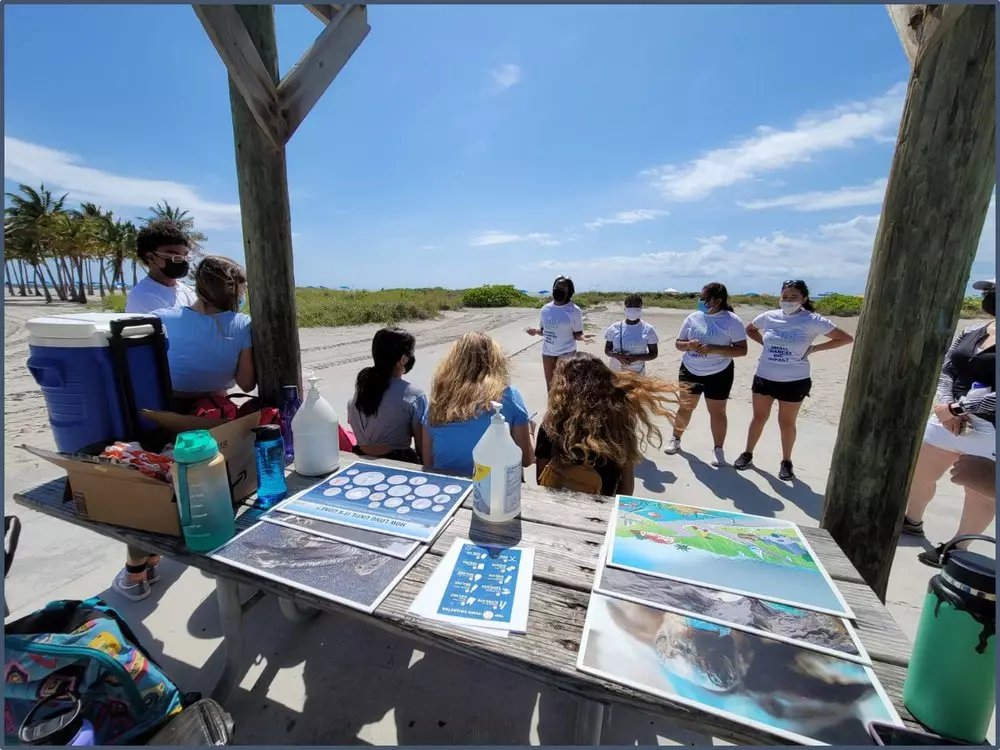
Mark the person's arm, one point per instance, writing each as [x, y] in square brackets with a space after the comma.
[427, 448]
[737, 346]
[419, 407]
[753, 333]
[578, 333]
[980, 406]
[836, 337]
[540, 331]
[543, 454]
[626, 485]
[653, 351]
[977, 473]
[246, 375]
[682, 343]
[522, 436]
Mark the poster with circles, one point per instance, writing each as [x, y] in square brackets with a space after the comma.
[400, 502]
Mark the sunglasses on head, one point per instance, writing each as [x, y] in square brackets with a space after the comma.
[792, 282]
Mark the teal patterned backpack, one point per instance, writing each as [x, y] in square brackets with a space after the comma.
[84, 649]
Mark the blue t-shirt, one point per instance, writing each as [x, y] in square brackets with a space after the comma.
[203, 350]
[453, 443]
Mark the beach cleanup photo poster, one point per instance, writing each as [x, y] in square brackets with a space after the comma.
[400, 502]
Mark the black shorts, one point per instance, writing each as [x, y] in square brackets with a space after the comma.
[792, 392]
[715, 387]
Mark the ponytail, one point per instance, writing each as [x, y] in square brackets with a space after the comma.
[371, 385]
[808, 305]
[389, 346]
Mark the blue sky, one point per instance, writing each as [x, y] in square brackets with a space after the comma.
[631, 147]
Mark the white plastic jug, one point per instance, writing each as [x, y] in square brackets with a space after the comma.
[316, 434]
[497, 482]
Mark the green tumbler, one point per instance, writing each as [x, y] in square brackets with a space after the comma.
[950, 686]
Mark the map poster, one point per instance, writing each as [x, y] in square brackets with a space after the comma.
[401, 502]
[763, 558]
[478, 585]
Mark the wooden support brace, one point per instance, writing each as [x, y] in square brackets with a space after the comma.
[232, 41]
[919, 27]
[305, 83]
[324, 12]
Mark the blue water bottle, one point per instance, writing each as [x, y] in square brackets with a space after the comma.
[269, 448]
[289, 405]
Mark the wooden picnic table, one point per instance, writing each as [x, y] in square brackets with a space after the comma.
[567, 531]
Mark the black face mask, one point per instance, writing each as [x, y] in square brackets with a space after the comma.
[990, 303]
[176, 270]
[410, 361]
[559, 296]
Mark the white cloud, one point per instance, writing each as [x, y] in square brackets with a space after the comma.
[770, 149]
[634, 216]
[506, 76]
[493, 237]
[871, 194]
[32, 164]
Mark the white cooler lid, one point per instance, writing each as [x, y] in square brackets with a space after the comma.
[79, 329]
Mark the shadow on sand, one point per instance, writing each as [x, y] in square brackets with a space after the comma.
[653, 478]
[728, 484]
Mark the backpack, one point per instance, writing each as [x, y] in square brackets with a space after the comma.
[575, 477]
[87, 652]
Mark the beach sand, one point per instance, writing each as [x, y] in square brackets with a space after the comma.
[180, 624]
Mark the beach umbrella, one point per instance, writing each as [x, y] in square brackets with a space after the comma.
[543, 291]
[345, 288]
[524, 291]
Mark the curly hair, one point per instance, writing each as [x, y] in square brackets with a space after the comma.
[595, 413]
[217, 282]
[474, 372]
[156, 234]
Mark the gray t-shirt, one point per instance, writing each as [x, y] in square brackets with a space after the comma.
[397, 420]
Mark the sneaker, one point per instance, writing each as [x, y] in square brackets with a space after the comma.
[913, 528]
[153, 573]
[673, 446]
[744, 462]
[786, 473]
[720, 458]
[134, 591]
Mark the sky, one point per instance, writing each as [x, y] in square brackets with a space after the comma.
[630, 147]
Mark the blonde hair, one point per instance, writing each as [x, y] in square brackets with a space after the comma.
[473, 373]
[595, 413]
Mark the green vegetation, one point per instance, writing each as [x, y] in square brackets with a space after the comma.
[498, 295]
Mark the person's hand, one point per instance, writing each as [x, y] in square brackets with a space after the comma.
[808, 352]
[976, 473]
[951, 422]
[533, 426]
[534, 332]
[696, 346]
[588, 338]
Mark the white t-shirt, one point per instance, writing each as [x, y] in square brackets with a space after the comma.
[633, 338]
[786, 339]
[724, 328]
[559, 323]
[149, 295]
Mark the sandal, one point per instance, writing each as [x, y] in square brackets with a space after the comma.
[932, 558]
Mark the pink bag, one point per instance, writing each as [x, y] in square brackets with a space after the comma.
[347, 439]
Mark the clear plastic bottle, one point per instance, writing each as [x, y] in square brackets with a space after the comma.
[316, 430]
[201, 484]
[269, 449]
[497, 482]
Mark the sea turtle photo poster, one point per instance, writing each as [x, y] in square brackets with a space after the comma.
[387, 544]
[355, 577]
[793, 693]
[401, 502]
[764, 558]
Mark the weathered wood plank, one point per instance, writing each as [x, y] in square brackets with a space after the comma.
[323, 12]
[940, 183]
[305, 83]
[920, 26]
[246, 69]
[267, 226]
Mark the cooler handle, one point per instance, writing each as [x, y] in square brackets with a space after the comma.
[948, 547]
[48, 373]
[123, 374]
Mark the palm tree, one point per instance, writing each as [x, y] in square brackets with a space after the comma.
[29, 223]
[180, 217]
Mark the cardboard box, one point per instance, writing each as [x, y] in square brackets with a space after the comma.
[124, 496]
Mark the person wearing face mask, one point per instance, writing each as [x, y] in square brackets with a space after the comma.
[163, 248]
[783, 372]
[631, 343]
[387, 412]
[561, 326]
[963, 424]
[710, 339]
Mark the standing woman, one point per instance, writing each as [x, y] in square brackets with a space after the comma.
[560, 326]
[632, 342]
[783, 372]
[387, 411]
[963, 424]
[710, 339]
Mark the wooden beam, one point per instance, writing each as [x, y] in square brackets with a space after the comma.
[304, 84]
[918, 26]
[940, 182]
[229, 36]
[324, 12]
[267, 234]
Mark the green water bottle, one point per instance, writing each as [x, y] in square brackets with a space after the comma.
[950, 686]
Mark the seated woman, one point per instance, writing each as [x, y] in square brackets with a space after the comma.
[473, 374]
[209, 351]
[597, 425]
[387, 412]
[209, 347]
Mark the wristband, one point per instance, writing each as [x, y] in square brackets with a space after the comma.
[956, 410]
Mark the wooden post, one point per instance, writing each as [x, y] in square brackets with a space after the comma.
[942, 175]
[267, 238]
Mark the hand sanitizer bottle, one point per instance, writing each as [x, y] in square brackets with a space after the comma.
[497, 482]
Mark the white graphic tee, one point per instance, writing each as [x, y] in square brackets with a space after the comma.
[559, 323]
[723, 328]
[786, 340]
[630, 338]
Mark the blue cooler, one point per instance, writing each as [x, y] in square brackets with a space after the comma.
[96, 371]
